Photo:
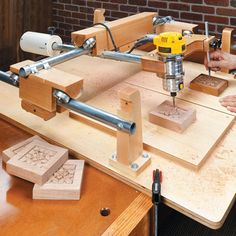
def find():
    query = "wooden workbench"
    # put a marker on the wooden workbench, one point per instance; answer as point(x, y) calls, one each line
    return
point(206, 194)
point(20, 215)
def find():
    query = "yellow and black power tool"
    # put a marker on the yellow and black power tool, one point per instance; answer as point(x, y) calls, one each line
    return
point(171, 47)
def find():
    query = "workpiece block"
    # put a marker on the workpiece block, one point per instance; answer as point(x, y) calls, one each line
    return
point(7, 154)
point(174, 118)
point(64, 184)
point(209, 84)
point(37, 161)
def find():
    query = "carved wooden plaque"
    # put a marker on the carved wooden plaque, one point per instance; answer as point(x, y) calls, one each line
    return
point(12, 151)
point(37, 161)
point(174, 118)
point(64, 184)
point(209, 84)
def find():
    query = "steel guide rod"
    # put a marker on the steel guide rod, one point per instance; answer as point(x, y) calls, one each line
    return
point(11, 79)
point(121, 56)
point(54, 60)
point(97, 114)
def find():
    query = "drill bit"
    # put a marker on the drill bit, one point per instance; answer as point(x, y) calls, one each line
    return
point(209, 72)
point(173, 95)
point(173, 101)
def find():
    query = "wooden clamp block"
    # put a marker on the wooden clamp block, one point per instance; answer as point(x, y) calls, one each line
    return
point(37, 161)
point(173, 118)
point(36, 91)
point(12, 151)
point(64, 184)
point(209, 84)
point(124, 31)
point(152, 63)
point(129, 157)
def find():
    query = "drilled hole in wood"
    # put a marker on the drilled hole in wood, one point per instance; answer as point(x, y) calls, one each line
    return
point(105, 211)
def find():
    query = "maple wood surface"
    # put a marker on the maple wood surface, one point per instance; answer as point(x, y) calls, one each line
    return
point(20, 215)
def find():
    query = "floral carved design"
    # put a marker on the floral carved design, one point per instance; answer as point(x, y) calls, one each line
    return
point(65, 175)
point(38, 156)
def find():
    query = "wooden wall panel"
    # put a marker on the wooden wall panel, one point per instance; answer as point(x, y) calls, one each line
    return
point(16, 17)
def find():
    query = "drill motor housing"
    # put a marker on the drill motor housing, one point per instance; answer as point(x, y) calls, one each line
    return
point(171, 47)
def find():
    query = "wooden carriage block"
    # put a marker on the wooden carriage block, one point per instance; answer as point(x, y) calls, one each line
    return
point(197, 43)
point(44, 114)
point(174, 118)
point(12, 151)
point(152, 64)
point(38, 88)
point(64, 184)
point(124, 31)
point(37, 161)
point(209, 84)
point(36, 91)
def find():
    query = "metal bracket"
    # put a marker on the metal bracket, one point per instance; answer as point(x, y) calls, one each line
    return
point(46, 66)
point(34, 70)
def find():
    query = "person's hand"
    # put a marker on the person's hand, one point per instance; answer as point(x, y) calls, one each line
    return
point(229, 102)
point(220, 59)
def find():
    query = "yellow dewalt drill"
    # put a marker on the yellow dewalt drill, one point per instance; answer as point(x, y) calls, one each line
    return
point(171, 47)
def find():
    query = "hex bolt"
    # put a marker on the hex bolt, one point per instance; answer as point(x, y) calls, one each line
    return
point(134, 166)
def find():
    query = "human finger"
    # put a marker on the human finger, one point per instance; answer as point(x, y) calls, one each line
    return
point(228, 98)
point(216, 55)
point(231, 109)
point(228, 103)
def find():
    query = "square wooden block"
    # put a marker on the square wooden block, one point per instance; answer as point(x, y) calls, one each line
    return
point(7, 154)
point(65, 184)
point(37, 161)
point(173, 118)
point(209, 84)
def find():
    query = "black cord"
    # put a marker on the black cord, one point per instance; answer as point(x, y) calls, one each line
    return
point(132, 49)
point(110, 34)
point(140, 42)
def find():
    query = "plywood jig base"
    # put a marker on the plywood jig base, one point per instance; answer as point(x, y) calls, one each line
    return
point(205, 195)
point(179, 147)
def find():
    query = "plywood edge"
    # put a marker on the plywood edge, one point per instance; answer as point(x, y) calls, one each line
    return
point(131, 217)
point(213, 224)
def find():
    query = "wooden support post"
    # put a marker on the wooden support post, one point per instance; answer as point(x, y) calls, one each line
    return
point(130, 157)
point(226, 43)
point(98, 16)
